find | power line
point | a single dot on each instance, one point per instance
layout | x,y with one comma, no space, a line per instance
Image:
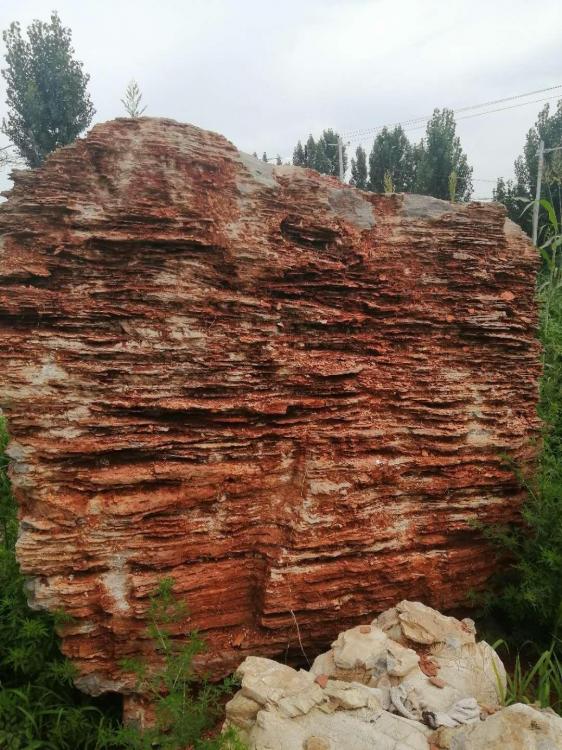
424,120
414,120
462,117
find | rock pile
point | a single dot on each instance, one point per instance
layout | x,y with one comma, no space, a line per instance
413,679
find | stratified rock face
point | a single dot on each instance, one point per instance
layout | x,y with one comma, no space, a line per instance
286,394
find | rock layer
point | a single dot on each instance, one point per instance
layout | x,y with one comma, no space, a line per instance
290,395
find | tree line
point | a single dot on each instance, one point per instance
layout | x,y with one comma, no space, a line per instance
49,106
516,193
437,165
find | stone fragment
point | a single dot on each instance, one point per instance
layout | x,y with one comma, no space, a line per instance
517,727
268,683
242,711
424,625
438,682
280,391
428,666
355,648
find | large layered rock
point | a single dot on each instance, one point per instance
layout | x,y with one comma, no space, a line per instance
291,396
413,679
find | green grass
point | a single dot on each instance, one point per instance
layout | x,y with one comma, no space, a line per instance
537,682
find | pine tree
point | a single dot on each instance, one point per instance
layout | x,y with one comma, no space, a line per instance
310,153
322,162
299,159
47,98
321,155
359,169
330,139
132,100
391,154
278,161
439,154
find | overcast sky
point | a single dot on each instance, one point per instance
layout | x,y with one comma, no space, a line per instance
267,73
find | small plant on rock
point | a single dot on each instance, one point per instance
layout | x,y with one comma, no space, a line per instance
186,707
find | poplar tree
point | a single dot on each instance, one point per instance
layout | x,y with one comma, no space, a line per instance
392,161
440,153
47,98
359,168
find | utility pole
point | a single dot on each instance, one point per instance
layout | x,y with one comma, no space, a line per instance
538,193
340,157
536,205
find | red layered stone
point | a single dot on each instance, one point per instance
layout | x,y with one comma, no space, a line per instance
291,396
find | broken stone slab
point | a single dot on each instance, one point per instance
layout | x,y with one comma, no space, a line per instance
517,727
352,729
267,682
418,623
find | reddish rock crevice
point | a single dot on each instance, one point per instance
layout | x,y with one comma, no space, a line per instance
290,395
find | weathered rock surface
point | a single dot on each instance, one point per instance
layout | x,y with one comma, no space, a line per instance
388,686
289,395
517,727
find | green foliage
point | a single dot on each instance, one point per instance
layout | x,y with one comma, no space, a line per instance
47,98
528,598
132,100
515,193
533,682
359,172
321,155
439,154
392,154
437,166
186,708
39,707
